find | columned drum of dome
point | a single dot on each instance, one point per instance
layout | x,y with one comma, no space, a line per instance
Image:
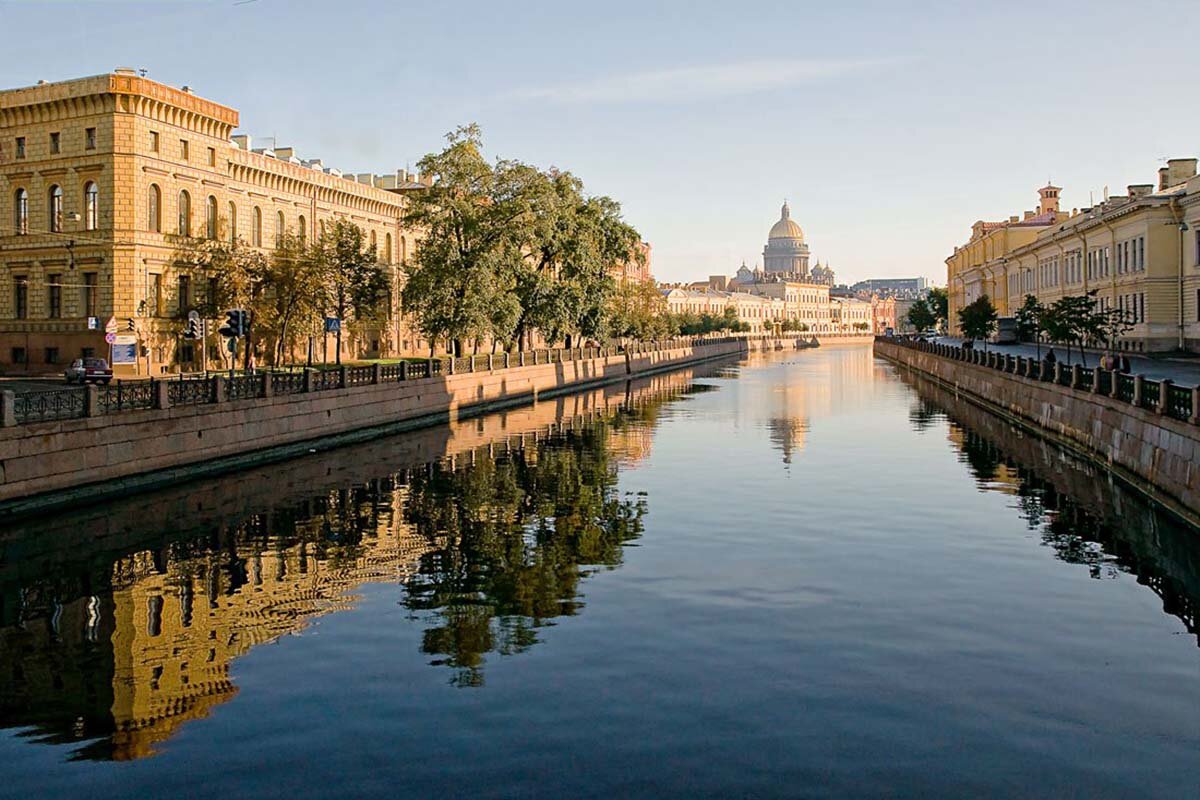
786,253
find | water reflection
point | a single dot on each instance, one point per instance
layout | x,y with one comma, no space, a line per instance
1080,512
118,624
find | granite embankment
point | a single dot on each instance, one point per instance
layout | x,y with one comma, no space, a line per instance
187,431
1146,432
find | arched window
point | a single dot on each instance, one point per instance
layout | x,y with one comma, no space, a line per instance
322,225
21,212
91,206
303,229
373,246
154,209
280,228
185,214
232,222
387,249
210,217
403,250
256,229
56,209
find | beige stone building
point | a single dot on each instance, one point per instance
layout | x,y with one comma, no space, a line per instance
101,178
1139,252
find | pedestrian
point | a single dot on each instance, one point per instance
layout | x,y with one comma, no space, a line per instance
1125,365
1051,359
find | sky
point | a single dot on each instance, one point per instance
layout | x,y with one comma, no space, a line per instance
888,127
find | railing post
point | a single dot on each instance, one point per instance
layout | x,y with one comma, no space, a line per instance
506,355
343,373
451,365
1138,382
1076,376
1058,373
1195,420
219,393
491,361
162,399
430,365
1114,389
403,370
376,373
8,408
521,359
91,400
309,379
1164,395
268,387
1096,380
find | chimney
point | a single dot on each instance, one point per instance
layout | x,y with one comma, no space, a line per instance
1014,218
1030,214
1137,190
365,178
1179,170
241,140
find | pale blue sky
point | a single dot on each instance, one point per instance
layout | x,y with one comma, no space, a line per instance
890,127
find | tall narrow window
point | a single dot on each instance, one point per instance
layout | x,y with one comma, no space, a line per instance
185,293
403,250
153,141
20,296
88,296
56,209
210,217
20,147
89,139
185,214
54,296
212,157
280,227
55,142
154,209
91,206
387,249
256,228
374,246
21,212
302,228
232,222
156,295
183,149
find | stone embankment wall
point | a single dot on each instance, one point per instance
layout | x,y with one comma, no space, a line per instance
51,463
1155,452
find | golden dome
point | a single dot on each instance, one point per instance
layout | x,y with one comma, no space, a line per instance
785,228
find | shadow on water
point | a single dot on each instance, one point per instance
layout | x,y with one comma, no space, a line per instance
119,622
1080,511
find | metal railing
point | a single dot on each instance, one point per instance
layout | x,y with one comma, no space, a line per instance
1161,397
73,403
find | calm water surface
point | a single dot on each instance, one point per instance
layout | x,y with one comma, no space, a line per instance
803,575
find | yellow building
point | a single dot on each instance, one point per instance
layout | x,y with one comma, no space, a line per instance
99,179
980,267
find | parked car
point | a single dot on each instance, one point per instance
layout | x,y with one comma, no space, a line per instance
88,370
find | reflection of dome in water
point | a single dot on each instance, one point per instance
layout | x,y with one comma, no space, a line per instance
788,435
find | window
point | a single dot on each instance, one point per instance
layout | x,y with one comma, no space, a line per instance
183,149
256,229
185,214
212,157
211,298
91,206
156,296
21,212
55,209
232,222
280,227
89,139
1198,247
89,294
154,209
55,143
302,227
20,296
387,249
210,217
51,355
18,355
185,293
54,296
153,141
373,245
20,147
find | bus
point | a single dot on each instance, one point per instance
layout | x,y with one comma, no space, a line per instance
1006,331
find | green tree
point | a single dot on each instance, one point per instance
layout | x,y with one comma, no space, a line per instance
358,284
978,319
298,286
921,316
1029,322
1075,322
939,304
638,310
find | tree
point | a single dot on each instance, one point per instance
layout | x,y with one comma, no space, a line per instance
1113,323
921,316
299,287
939,304
358,284
638,310
1074,320
978,319
1029,322
237,276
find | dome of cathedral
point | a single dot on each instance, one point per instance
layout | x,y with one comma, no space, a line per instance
786,228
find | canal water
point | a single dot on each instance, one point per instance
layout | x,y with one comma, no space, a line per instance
800,575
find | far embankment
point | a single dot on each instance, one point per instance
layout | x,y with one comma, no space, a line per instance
160,433
1147,432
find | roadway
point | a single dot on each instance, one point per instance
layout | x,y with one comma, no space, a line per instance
1184,371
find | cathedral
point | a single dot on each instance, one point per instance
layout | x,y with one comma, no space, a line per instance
785,258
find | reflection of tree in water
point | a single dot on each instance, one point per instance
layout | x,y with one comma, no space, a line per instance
924,414
518,529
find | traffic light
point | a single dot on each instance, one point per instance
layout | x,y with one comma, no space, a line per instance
236,322
130,324
192,329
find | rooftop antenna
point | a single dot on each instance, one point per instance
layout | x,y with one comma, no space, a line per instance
142,71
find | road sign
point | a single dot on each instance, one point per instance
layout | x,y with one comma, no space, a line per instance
93,323
111,338
332,324
126,338
111,325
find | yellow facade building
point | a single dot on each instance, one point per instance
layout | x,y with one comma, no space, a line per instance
100,177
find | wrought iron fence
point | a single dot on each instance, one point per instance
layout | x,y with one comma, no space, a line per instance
1179,402
418,369
287,382
1125,388
49,405
1151,392
1086,377
126,396
327,379
190,392
390,372
244,387
360,376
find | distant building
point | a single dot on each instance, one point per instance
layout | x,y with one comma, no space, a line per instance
892,287
634,270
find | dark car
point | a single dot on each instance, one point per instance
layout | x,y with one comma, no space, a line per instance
88,370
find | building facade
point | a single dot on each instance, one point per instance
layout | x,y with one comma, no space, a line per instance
103,182
1138,252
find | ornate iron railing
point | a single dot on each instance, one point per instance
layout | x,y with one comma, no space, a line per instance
1151,392
1125,388
125,396
244,387
360,376
327,379
49,405
1179,402
190,392
287,382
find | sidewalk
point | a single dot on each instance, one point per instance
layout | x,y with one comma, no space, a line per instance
1179,370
